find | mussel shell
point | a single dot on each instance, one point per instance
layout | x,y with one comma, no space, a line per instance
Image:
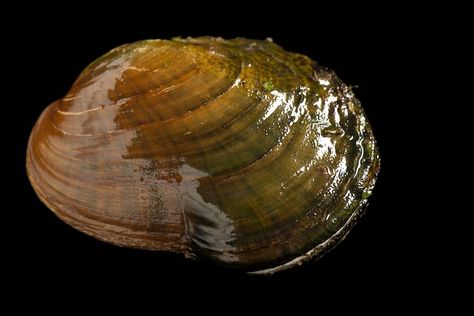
231,150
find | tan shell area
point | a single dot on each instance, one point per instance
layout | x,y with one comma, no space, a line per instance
231,150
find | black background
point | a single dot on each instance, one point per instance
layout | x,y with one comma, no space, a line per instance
375,50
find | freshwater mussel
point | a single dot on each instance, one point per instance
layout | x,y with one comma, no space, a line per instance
236,151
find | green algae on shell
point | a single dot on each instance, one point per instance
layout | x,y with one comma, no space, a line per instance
235,151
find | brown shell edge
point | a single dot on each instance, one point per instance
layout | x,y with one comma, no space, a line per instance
108,236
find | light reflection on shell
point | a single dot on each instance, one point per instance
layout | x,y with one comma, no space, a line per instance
231,150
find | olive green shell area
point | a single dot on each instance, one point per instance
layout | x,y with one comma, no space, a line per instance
235,151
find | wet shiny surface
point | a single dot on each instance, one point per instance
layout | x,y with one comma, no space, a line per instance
236,151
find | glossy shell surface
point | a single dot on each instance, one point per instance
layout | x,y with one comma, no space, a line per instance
235,151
